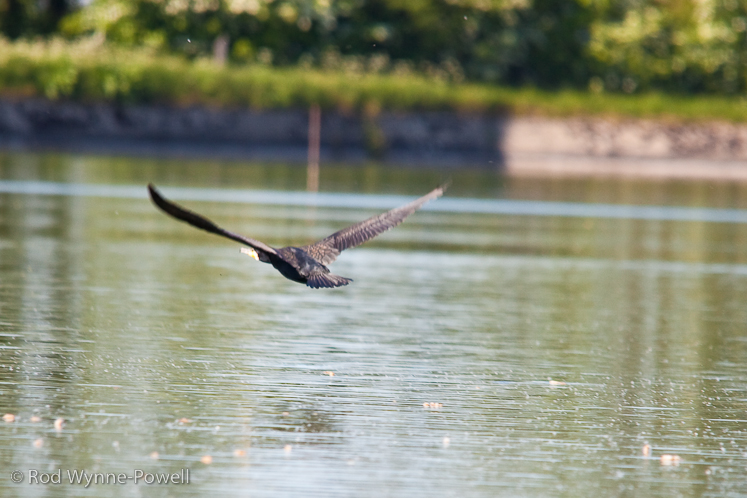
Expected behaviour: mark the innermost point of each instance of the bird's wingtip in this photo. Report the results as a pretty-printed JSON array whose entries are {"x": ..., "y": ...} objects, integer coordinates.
[
  {"x": 439, "y": 191},
  {"x": 155, "y": 195}
]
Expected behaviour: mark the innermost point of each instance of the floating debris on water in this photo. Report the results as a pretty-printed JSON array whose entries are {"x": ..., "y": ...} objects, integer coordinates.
[
  {"x": 38, "y": 443},
  {"x": 153, "y": 455},
  {"x": 446, "y": 441},
  {"x": 670, "y": 459},
  {"x": 35, "y": 419},
  {"x": 556, "y": 383},
  {"x": 433, "y": 406},
  {"x": 285, "y": 414},
  {"x": 328, "y": 372},
  {"x": 206, "y": 459},
  {"x": 184, "y": 420},
  {"x": 288, "y": 448},
  {"x": 9, "y": 417},
  {"x": 239, "y": 453},
  {"x": 58, "y": 424},
  {"x": 646, "y": 450}
]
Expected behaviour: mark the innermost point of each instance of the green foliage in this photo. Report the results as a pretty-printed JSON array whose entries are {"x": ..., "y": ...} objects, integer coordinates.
[
  {"x": 89, "y": 71},
  {"x": 602, "y": 45},
  {"x": 684, "y": 46},
  {"x": 509, "y": 41},
  {"x": 32, "y": 17}
]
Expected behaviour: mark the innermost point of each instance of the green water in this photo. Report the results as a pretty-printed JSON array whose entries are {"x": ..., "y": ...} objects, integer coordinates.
[{"x": 147, "y": 336}]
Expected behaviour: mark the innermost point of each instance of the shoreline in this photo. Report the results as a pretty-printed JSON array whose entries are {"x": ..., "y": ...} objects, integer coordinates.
[{"x": 515, "y": 145}]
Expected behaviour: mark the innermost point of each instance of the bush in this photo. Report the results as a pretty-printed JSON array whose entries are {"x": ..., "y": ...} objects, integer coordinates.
[{"x": 87, "y": 70}]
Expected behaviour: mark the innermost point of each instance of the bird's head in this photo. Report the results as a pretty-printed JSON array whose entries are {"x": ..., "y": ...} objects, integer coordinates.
[{"x": 251, "y": 252}]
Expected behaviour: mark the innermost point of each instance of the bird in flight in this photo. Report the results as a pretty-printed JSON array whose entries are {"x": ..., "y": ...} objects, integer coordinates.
[{"x": 306, "y": 264}]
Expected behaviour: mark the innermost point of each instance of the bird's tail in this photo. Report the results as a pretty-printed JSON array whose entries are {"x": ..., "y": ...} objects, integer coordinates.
[{"x": 322, "y": 280}]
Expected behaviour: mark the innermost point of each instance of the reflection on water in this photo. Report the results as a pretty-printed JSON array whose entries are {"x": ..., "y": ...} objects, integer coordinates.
[
  {"x": 148, "y": 336},
  {"x": 337, "y": 200}
]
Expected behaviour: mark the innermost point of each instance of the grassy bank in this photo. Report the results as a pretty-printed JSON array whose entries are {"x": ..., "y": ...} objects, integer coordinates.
[{"x": 88, "y": 71}]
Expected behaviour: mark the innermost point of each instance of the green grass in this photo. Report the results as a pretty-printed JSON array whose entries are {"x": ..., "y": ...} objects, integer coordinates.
[{"x": 87, "y": 71}]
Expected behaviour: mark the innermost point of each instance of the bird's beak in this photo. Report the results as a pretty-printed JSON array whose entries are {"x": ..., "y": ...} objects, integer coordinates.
[{"x": 251, "y": 252}]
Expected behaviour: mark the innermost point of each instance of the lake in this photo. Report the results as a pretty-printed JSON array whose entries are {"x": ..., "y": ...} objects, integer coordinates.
[{"x": 518, "y": 337}]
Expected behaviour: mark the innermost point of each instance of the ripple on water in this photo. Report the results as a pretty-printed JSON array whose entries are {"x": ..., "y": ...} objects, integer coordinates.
[{"x": 524, "y": 353}]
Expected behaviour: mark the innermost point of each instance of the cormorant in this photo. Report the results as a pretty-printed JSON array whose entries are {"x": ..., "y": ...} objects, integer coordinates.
[{"x": 306, "y": 264}]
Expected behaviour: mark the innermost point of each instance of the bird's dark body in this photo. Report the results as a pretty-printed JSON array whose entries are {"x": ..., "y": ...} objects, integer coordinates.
[
  {"x": 306, "y": 264},
  {"x": 295, "y": 264}
]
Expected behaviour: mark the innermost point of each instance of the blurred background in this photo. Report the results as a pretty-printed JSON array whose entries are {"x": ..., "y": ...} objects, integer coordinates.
[
  {"x": 572, "y": 327},
  {"x": 491, "y": 66},
  {"x": 600, "y": 45}
]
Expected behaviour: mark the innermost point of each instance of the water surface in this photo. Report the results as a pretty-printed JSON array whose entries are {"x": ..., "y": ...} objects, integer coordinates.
[{"x": 554, "y": 334}]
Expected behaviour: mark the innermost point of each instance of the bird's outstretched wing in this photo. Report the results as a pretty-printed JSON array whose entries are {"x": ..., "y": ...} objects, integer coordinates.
[
  {"x": 198, "y": 221},
  {"x": 326, "y": 250}
]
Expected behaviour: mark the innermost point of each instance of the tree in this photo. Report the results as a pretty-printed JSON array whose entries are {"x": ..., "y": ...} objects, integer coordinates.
[{"x": 29, "y": 17}]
